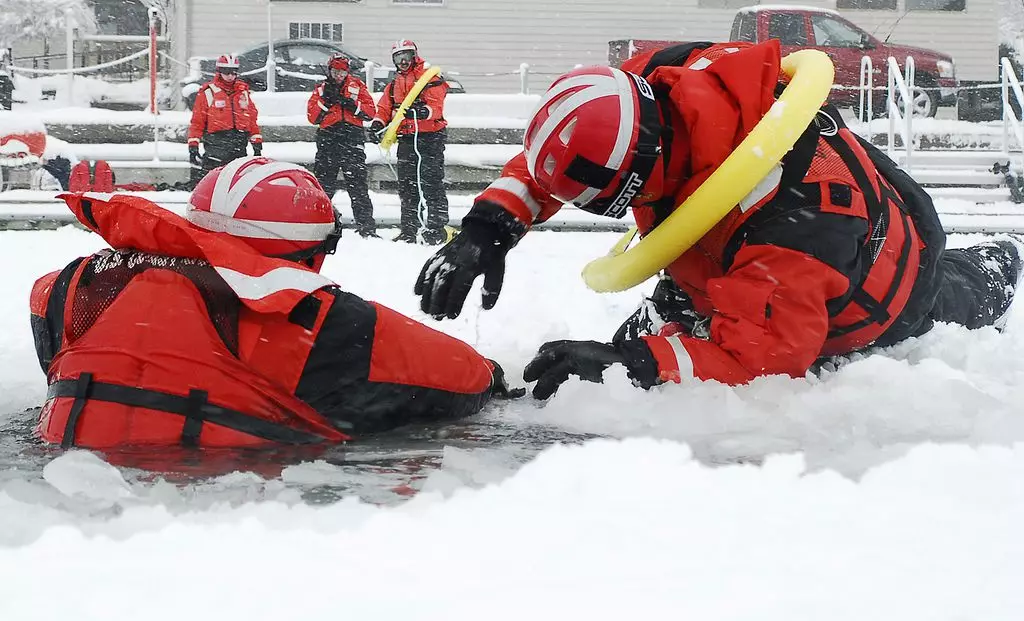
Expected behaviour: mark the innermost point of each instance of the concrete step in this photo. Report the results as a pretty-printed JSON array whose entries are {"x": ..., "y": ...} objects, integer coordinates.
[
  {"x": 24, "y": 209},
  {"x": 981, "y": 160},
  {"x": 963, "y": 177},
  {"x": 970, "y": 195}
]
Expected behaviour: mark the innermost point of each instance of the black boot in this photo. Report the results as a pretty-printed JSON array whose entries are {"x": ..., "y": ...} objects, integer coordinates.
[{"x": 408, "y": 237}]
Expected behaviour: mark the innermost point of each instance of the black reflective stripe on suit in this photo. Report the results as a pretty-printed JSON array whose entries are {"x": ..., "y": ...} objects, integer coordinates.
[
  {"x": 335, "y": 380},
  {"x": 194, "y": 408}
]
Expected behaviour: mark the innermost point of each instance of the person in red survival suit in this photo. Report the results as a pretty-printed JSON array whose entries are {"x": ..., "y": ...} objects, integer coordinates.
[
  {"x": 338, "y": 107},
  {"x": 224, "y": 118},
  {"x": 219, "y": 330},
  {"x": 421, "y": 141},
  {"x": 834, "y": 251}
]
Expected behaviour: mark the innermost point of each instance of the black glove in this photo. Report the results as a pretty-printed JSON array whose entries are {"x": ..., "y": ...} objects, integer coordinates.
[
  {"x": 499, "y": 386},
  {"x": 331, "y": 96},
  {"x": 193, "y": 156},
  {"x": 257, "y": 148},
  {"x": 347, "y": 104},
  {"x": 557, "y": 360},
  {"x": 375, "y": 131},
  {"x": 446, "y": 277},
  {"x": 418, "y": 110}
]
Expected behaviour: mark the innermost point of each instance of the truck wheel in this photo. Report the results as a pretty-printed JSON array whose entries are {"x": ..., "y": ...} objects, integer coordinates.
[{"x": 924, "y": 103}]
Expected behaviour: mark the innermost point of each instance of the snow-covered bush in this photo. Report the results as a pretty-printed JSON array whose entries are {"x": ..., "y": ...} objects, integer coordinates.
[{"x": 31, "y": 19}]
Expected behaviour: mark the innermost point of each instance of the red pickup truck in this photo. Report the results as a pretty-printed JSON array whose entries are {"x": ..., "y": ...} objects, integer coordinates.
[{"x": 822, "y": 29}]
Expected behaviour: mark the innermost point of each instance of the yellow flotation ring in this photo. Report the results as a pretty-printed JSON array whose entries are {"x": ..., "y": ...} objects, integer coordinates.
[{"x": 811, "y": 73}]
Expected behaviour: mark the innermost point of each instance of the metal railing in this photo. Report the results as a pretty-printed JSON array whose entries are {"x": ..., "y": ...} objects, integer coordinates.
[
  {"x": 904, "y": 85},
  {"x": 867, "y": 94},
  {"x": 1010, "y": 118}
]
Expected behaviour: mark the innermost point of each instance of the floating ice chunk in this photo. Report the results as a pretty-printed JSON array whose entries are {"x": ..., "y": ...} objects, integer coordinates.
[
  {"x": 81, "y": 473},
  {"x": 318, "y": 472}
]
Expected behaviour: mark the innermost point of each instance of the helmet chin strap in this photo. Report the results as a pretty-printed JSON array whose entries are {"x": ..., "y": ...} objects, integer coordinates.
[
  {"x": 328, "y": 246},
  {"x": 645, "y": 156}
]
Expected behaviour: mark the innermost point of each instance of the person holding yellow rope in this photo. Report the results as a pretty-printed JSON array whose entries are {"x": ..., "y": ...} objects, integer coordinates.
[
  {"x": 834, "y": 250},
  {"x": 422, "y": 135}
]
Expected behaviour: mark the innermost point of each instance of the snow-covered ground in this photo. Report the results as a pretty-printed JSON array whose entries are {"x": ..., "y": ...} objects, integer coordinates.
[{"x": 890, "y": 489}]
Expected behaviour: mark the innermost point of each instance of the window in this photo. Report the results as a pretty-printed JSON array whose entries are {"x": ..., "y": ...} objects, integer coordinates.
[
  {"x": 118, "y": 17},
  {"x": 936, "y": 5},
  {"x": 314, "y": 30},
  {"x": 867, "y": 5},
  {"x": 830, "y": 32},
  {"x": 788, "y": 28},
  {"x": 744, "y": 27},
  {"x": 309, "y": 55}
]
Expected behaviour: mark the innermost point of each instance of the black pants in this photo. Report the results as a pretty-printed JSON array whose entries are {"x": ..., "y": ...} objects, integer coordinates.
[
  {"x": 975, "y": 288},
  {"x": 220, "y": 148},
  {"x": 421, "y": 182},
  {"x": 340, "y": 147},
  {"x": 978, "y": 284}
]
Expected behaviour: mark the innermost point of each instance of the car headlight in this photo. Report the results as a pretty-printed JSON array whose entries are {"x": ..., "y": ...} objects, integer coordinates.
[{"x": 945, "y": 68}]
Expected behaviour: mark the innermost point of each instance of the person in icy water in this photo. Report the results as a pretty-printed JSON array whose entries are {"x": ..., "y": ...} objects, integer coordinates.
[
  {"x": 835, "y": 251},
  {"x": 218, "y": 329}
]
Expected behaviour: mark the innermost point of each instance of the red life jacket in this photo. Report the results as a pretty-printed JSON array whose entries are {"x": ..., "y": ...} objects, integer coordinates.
[
  {"x": 91, "y": 177},
  {"x": 155, "y": 349},
  {"x": 824, "y": 167}
]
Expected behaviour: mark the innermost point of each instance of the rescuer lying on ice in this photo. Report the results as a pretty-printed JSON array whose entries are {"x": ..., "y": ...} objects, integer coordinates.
[
  {"x": 836, "y": 250},
  {"x": 219, "y": 330}
]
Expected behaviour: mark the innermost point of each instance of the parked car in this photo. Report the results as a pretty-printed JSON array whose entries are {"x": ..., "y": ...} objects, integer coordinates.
[
  {"x": 798, "y": 27},
  {"x": 301, "y": 64}
]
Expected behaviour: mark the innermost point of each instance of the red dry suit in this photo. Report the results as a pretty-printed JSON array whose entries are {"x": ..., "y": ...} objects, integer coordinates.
[
  {"x": 179, "y": 335},
  {"x": 432, "y": 96},
  {"x": 819, "y": 259},
  {"x": 224, "y": 107},
  {"x": 324, "y": 114}
]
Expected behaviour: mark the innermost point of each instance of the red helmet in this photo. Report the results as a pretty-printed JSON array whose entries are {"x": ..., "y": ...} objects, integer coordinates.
[
  {"x": 594, "y": 139},
  {"x": 227, "y": 61},
  {"x": 339, "y": 62},
  {"x": 277, "y": 208},
  {"x": 403, "y": 45}
]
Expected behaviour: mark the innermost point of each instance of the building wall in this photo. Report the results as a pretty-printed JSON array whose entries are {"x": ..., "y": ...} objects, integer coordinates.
[{"x": 479, "y": 37}]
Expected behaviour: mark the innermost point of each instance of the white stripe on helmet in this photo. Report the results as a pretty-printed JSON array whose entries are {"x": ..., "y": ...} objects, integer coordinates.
[
  {"x": 228, "y": 194},
  {"x": 593, "y": 87},
  {"x": 260, "y": 229}
]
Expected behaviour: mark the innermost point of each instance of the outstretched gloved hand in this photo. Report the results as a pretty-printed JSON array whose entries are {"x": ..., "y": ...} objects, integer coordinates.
[
  {"x": 446, "y": 278},
  {"x": 557, "y": 360},
  {"x": 499, "y": 384},
  {"x": 257, "y": 148}
]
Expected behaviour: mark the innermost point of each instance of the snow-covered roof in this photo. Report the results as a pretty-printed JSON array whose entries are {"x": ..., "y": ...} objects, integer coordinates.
[{"x": 786, "y": 7}]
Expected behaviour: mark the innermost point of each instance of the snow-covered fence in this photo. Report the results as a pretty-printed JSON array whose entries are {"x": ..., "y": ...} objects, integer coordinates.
[{"x": 904, "y": 86}]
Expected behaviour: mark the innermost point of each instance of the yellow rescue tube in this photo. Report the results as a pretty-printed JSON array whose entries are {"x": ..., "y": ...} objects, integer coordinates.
[
  {"x": 811, "y": 73},
  {"x": 391, "y": 134}
]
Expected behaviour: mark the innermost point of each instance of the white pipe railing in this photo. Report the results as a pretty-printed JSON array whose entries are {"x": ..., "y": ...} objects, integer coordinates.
[
  {"x": 90, "y": 68},
  {"x": 271, "y": 61},
  {"x": 867, "y": 90},
  {"x": 905, "y": 86},
  {"x": 1010, "y": 82}
]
